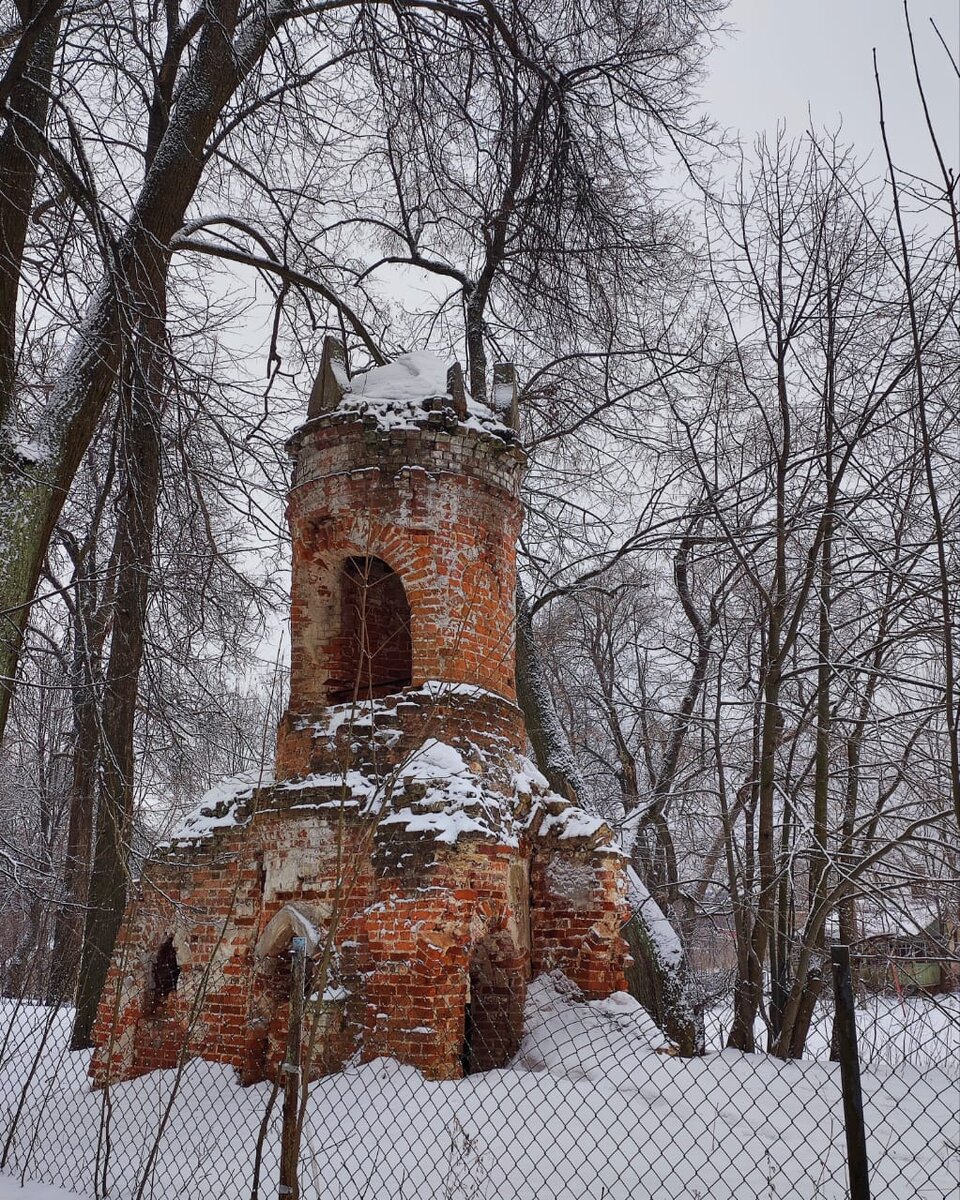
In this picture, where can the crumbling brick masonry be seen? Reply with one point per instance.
(404, 835)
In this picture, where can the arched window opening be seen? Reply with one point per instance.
(164, 974)
(374, 652)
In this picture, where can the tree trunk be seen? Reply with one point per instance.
(140, 482)
(659, 978)
(68, 931)
(653, 850)
(749, 988)
(750, 985)
(28, 104)
(35, 483)
(20, 156)
(550, 746)
(475, 327)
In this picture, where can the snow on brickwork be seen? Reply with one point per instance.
(433, 790)
(222, 807)
(403, 822)
(393, 394)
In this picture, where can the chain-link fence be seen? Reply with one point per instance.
(596, 1103)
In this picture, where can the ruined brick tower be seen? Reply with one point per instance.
(404, 835)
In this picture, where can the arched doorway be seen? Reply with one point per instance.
(493, 1019)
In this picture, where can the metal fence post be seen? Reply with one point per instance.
(846, 1044)
(290, 1134)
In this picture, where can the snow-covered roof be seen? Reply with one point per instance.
(436, 791)
(222, 807)
(900, 917)
(395, 393)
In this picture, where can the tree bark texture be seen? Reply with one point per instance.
(35, 484)
(140, 452)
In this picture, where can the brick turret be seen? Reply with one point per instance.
(404, 516)
(405, 836)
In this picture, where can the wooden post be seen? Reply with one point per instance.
(845, 1029)
(292, 1075)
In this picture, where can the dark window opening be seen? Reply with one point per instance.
(374, 653)
(164, 975)
(280, 975)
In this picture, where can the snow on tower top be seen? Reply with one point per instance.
(400, 393)
(415, 376)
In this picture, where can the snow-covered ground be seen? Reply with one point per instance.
(591, 1108)
(12, 1189)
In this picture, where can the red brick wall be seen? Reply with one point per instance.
(443, 511)
(409, 955)
(578, 907)
(382, 740)
(209, 900)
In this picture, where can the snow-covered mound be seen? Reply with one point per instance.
(222, 807)
(395, 393)
(13, 1189)
(594, 1105)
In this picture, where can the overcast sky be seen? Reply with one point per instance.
(785, 57)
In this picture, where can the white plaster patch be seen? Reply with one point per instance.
(569, 879)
